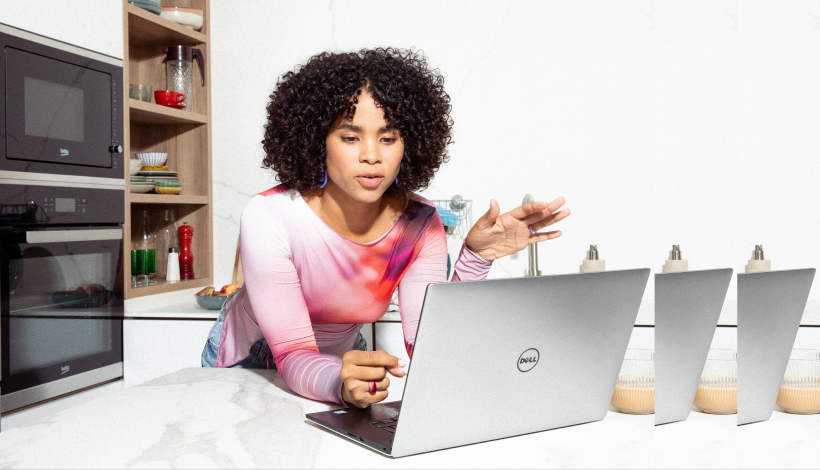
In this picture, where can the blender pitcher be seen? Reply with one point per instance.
(179, 71)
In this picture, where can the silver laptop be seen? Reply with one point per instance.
(769, 308)
(687, 307)
(501, 358)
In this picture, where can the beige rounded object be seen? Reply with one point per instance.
(716, 400)
(759, 266)
(633, 400)
(593, 265)
(676, 266)
(802, 396)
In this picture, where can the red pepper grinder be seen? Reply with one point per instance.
(186, 258)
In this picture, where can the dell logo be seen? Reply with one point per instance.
(64, 369)
(63, 152)
(528, 360)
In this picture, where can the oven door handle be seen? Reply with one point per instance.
(61, 236)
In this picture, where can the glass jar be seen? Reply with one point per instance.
(717, 390)
(800, 389)
(635, 390)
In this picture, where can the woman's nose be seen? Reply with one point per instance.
(370, 153)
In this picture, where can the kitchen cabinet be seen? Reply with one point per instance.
(184, 135)
(153, 348)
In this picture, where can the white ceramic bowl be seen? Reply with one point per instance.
(141, 188)
(188, 17)
(152, 158)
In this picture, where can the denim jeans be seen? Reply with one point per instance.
(259, 355)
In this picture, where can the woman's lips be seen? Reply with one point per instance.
(370, 182)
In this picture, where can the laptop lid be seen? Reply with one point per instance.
(687, 307)
(769, 308)
(500, 358)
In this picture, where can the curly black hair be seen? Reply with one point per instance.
(309, 100)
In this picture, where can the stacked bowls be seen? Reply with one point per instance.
(167, 186)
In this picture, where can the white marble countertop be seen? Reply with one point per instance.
(172, 305)
(182, 305)
(229, 418)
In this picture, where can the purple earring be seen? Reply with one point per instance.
(324, 183)
(397, 181)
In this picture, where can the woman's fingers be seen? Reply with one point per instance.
(488, 219)
(534, 211)
(540, 237)
(548, 219)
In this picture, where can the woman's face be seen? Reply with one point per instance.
(363, 154)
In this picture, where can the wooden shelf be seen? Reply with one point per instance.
(149, 113)
(148, 29)
(162, 287)
(184, 135)
(137, 198)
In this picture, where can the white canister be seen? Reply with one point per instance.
(172, 266)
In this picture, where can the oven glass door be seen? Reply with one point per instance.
(57, 111)
(60, 313)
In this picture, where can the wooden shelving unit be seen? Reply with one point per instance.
(186, 136)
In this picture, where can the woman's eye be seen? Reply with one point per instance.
(389, 140)
(348, 139)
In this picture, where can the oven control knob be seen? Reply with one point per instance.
(115, 149)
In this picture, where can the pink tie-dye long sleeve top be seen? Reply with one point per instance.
(308, 289)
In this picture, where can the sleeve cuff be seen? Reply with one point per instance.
(470, 266)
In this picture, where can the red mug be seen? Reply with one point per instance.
(169, 98)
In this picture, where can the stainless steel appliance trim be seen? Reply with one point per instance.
(58, 236)
(26, 397)
(63, 46)
(69, 181)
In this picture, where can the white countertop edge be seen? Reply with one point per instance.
(181, 304)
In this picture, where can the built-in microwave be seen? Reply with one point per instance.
(60, 110)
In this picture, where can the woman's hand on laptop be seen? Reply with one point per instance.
(494, 236)
(359, 368)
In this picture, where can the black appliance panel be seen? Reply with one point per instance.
(59, 88)
(25, 205)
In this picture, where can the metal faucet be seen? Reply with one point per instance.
(532, 249)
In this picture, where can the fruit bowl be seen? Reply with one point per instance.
(212, 302)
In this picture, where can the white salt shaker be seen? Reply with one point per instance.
(172, 268)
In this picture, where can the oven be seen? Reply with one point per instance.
(61, 116)
(61, 302)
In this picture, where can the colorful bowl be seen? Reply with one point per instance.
(152, 158)
(167, 190)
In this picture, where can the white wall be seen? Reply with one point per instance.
(693, 123)
(91, 24)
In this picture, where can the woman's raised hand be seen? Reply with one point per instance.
(359, 368)
(494, 236)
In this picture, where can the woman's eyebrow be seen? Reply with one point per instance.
(351, 127)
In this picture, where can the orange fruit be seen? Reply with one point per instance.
(229, 289)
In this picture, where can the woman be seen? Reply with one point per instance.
(351, 136)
